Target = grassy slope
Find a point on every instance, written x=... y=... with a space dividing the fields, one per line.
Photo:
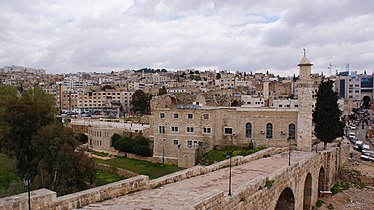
x=153 y=170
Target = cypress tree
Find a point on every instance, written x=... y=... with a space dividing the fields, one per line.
x=326 y=115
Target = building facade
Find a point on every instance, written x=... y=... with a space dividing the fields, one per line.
x=184 y=132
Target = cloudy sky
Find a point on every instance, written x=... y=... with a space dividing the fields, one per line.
x=64 y=36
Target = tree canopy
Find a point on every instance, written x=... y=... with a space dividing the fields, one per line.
x=42 y=145
x=326 y=115
x=141 y=102
x=162 y=91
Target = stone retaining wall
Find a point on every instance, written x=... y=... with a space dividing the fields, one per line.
x=115 y=170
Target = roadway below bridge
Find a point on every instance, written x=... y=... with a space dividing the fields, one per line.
x=183 y=194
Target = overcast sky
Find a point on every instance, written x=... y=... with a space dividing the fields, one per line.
x=65 y=36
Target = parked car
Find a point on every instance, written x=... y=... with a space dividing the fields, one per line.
x=358 y=145
x=367 y=152
x=365 y=157
x=353 y=127
x=365 y=147
x=351 y=135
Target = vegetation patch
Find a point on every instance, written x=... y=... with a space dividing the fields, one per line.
x=104 y=177
x=340 y=187
x=153 y=170
x=217 y=155
x=319 y=203
x=10 y=183
x=269 y=183
x=330 y=206
x=138 y=145
x=101 y=154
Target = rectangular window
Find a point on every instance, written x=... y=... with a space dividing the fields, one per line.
x=189 y=116
x=228 y=131
x=205 y=116
x=162 y=115
x=207 y=130
x=161 y=129
x=176 y=115
x=190 y=129
x=175 y=141
x=189 y=143
x=174 y=129
x=195 y=144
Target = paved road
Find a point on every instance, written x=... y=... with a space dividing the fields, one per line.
x=183 y=194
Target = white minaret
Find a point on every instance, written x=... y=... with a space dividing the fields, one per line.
x=304 y=118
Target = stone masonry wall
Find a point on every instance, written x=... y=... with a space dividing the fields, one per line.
x=263 y=192
x=40 y=198
x=46 y=199
x=115 y=170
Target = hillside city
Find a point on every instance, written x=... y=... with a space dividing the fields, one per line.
x=183 y=118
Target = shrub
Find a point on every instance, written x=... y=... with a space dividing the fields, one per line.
x=319 y=203
x=141 y=140
x=142 y=150
x=339 y=187
x=330 y=206
x=82 y=138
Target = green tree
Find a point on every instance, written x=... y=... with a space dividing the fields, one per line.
x=218 y=76
x=326 y=115
x=20 y=119
x=82 y=138
x=59 y=166
x=141 y=102
x=162 y=91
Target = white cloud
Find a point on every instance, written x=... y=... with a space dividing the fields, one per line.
x=69 y=36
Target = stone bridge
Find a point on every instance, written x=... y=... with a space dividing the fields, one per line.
x=259 y=181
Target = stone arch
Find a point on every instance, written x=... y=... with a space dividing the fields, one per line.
x=321 y=179
x=235 y=103
x=286 y=200
x=307 y=201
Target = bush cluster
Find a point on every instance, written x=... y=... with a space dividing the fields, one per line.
x=138 y=145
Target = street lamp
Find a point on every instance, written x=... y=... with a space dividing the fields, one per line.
x=229 y=156
x=163 y=152
x=26 y=182
x=289 y=151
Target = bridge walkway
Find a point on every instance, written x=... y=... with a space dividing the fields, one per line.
x=183 y=194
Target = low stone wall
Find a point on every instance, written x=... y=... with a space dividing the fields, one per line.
x=115 y=170
x=46 y=199
x=97 y=194
x=139 y=157
x=39 y=200
x=209 y=200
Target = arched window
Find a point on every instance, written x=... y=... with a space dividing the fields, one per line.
x=291 y=131
x=269 y=131
x=248 y=130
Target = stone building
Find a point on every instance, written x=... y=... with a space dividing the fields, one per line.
x=183 y=132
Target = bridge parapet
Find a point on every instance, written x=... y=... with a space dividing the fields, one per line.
x=264 y=192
